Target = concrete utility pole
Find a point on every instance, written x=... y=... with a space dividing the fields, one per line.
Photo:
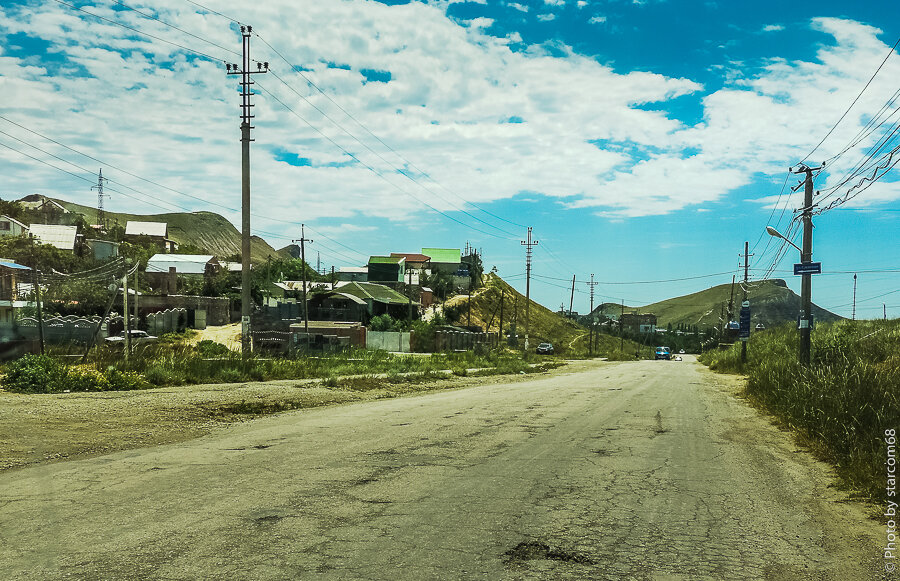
x=854 y=297
x=502 y=291
x=528 y=244
x=621 y=328
x=332 y=277
x=409 y=291
x=806 y=257
x=303 y=240
x=127 y=317
x=746 y=279
x=591 y=284
x=36 y=281
x=246 y=116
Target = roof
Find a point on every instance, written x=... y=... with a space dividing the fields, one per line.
x=293 y=285
x=10 y=264
x=412 y=256
x=354 y=269
x=376 y=292
x=99 y=241
x=386 y=259
x=159 y=229
x=183 y=263
x=443 y=255
x=63 y=237
x=5 y=217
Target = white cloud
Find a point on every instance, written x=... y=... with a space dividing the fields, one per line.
x=582 y=3
x=597 y=20
x=517 y=6
x=452 y=90
x=546 y=17
x=772 y=28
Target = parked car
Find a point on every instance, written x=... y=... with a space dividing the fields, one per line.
x=545 y=349
x=137 y=336
x=681 y=352
x=663 y=353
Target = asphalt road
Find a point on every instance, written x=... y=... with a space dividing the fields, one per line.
x=646 y=470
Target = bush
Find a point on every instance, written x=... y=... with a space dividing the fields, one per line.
x=35 y=374
x=210 y=349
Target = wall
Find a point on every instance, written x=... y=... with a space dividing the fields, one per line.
x=217 y=308
x=388 y=340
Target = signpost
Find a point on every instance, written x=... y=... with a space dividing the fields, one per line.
x=808 y=268
x=744 y=332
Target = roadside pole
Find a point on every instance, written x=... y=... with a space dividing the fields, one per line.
x=36 y=281
x=528 y=244
x=805 y=258
x=500 y=338
x=125 y=310
x=745 y=305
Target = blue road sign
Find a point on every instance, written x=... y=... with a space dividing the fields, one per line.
x=744 y=332
x=808 y=268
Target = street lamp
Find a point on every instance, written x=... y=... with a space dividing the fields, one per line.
x=777 y=234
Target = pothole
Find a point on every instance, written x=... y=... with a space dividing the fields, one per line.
x=534 y=550
x=268 y=520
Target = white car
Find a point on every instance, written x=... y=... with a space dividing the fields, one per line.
x=137 y=336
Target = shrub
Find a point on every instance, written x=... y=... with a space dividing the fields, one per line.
x=210 y=349
x=35 y=374
x=125 y=380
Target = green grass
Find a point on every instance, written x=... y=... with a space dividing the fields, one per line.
x=842 y=403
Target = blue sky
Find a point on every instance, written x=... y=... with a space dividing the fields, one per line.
x=643 y=140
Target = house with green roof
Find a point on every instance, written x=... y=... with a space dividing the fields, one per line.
x=358 y=301
x=386 y=268
x=446 y=260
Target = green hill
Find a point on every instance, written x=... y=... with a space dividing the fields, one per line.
x=206 y=230
x=771 y=303
x=567 y=336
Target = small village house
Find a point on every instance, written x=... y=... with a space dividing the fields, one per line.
x=11 y=274
x=157 y=232
x=163 y=270
x=446 y=260
x=387 y=269
x=11 y=227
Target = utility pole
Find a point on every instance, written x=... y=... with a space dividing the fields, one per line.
x=36 y=281
x=730 y=314
x=409 y=292
x=528 y=244
x=854 y=297
x=125 y=311
x=745 y=303
x=591 y=284
x=136 y=313
x=621 y=328
x=101 y=216
x=303 y=240
x=572 y=296
x=502 y=291
x=332 y=277
x=246 y=116
x=806 y=257
x=318 y=262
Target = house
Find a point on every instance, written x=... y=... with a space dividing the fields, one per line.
x=50 y=211
x=10 y=295
x=11 y=227
x=639 y=323
x=163 y=269
x=157 y=232
x=358 y=301
x=447 y=260
x=102 y=249
x=387 y=269
x=62 y=237
x=353 y=273
x=414 y=261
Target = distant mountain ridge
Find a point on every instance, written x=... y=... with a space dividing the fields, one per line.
x=771 y=303
x=206 y=230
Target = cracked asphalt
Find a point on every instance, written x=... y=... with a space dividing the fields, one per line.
x=644 y=470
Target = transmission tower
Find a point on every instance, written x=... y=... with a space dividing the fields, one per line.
x=101 y=216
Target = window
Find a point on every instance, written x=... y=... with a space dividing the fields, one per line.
x=5 y=226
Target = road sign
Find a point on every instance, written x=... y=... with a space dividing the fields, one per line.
x=744 y=332
x=808 y=268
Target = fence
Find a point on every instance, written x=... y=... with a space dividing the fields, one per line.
x=68 y=329
x=167 y=321
x=446 y=340
x=388 y=340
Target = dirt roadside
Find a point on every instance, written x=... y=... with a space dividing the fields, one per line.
x=38 y=428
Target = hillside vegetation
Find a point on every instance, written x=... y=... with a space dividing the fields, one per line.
x=771 y=303
x=207 y=230
x=568 y=337
x=842 y=403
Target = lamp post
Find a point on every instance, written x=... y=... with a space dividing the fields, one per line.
x=805 y=297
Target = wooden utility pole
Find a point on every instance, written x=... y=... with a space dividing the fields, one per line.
x=246 y=116
x=303 y=240
x=502 y=292
x=622 y=328
x=127 y=318
x=332 y=277
x=528 y=243
x=572 y=296
x=854 y=297
x=409 y=292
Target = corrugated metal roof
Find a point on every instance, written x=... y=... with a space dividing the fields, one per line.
x=375 y=292
x=385 y=259
x=10 y=264
x=443 y=255
x=412 y=256
x=354 y=269
x=63 y=237
x=183 y=263
x=133 y=228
